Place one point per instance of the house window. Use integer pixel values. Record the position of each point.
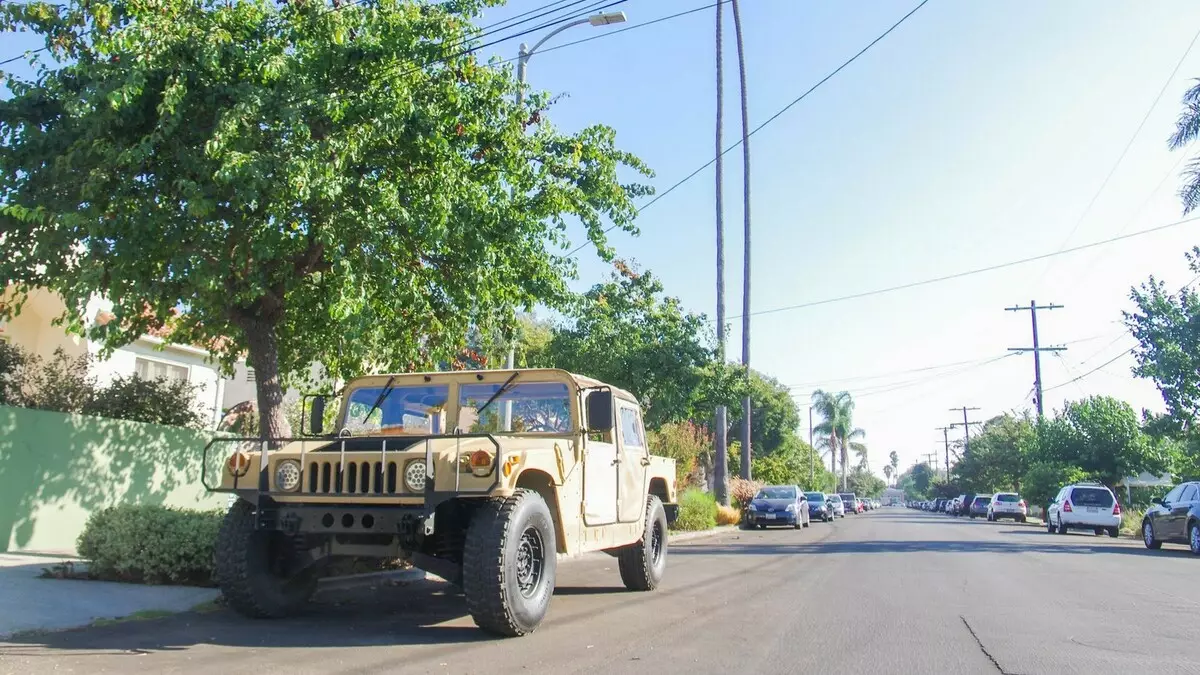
(153, 370)
(250, 375)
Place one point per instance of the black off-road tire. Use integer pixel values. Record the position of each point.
(644, 562)
(509, 562)
(1114, 532)
(243, 569)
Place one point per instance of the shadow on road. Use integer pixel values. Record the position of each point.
(395, 615)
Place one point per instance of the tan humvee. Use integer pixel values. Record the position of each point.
(480, 477)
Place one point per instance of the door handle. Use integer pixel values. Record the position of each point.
(645, 461)
(616, 462)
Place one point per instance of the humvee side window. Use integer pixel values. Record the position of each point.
(631, 429)
(527, 407)
(413, 410)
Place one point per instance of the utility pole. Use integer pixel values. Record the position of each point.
(812, 470)
(1036, 348)
(966, 429)
(747, 450)
(931, 456)
(946, 439)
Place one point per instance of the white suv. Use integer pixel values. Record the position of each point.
(1084, 506)
(1007, 505)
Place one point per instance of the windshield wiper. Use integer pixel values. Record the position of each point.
(387, 389)
(503, 388)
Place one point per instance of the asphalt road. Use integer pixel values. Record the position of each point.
(893, 591)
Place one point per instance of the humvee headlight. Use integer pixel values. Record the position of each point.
(287, 475)
(414, 475)
(481, 463)
(238, 464)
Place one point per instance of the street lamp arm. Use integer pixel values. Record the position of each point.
(556, 31)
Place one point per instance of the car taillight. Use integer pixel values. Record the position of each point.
(1021, 503)
(1067, 507)
(1116, 509)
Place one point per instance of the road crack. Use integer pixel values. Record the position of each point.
(983, 649)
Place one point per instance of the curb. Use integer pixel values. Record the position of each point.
(701, 534)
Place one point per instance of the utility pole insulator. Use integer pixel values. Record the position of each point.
(1036, 348)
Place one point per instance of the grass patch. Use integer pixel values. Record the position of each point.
(144, 615)
(728, 515)
(697, 511)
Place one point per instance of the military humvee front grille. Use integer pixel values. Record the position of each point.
(362, 478)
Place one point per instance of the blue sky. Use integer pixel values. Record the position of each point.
(975, 134)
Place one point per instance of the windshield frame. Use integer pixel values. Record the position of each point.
(454, 380)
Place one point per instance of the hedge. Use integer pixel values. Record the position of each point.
(151, 544)
(697, 511)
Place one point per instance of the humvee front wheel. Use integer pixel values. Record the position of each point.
(643, 562)
(254, 568)
(509, 562)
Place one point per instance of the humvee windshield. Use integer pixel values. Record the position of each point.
(525, 407)
(407, 409)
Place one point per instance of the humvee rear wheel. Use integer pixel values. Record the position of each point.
(643, 562)
(509, 563)
(255, 569)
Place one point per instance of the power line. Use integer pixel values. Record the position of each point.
(769, 120)
(1093, 370)
(941, 366)
(980, 270)
(1137, 132)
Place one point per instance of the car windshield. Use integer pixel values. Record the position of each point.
(524, 407)
(847, 497)
(983, 500)
(403, 409)
(814, 496)
(1085, 496)
(836, 499)
(1008, 497)
(776, 493)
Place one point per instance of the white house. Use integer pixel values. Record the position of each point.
(149, 356)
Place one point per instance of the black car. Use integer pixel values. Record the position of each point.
(778, 505)
(1174, 519)
(818, 507)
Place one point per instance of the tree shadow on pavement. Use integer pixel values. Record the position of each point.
(1060, 545)
(412, 613)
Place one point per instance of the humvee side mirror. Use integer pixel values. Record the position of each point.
(600, 411)
(316, 416)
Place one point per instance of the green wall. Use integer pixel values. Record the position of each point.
(56, 469)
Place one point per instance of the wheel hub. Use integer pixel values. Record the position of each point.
(530, 561)
(1148, 534)
(1195, 538)
(656, 543)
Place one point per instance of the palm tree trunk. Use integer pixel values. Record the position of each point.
(720, 439)
(737, 28)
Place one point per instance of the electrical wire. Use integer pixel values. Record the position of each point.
(769, 120)
(941, 366)
(1120, 158)
(967, 273)
(1090, 372)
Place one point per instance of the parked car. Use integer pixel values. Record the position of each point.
(979, 506)
(1084, 506)
(819, 508)
(866, 504)
(851, 501)
(838, 506)
(1174, 518)
(1007, 505)
(778, 505)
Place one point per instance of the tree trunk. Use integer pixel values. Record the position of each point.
(747, 449)
(264, 358)
(720, 439)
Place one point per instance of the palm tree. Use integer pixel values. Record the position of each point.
(888, 471)
(837, 411)
(860, 449)
(720, 437)
(895, 460)
(737, 29)
(1187, 129)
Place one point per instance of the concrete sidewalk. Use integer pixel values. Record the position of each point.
(28, 602)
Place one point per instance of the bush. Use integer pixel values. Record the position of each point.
(59, 385)
(151, 544)
(1131, 520)
(728, 515)
(686, 443)
(158, 401)
(697, 511)
(742, 491)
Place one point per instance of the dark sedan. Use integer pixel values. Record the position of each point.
(1175, 518)
(778, 505)
(819, 507)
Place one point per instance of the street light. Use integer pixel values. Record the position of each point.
(605, 19)
(525, 53)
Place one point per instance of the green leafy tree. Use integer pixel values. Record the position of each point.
(290, 181)
(627, 333)
(863, 483)
(999, 455)
(916, 481)
(1044, 479)
(774, 418)
(1101, 436)
(793, 463)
